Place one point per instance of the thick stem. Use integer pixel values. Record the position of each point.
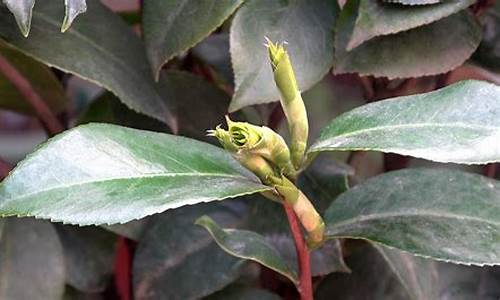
(26, 90)
(303, 257)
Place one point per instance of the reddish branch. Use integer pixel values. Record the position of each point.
(26, 90)
(305, 280)
(5, 168)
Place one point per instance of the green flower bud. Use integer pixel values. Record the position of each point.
(305, 211)
(262, 141)
(291, 101)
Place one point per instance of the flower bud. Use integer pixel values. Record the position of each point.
(291, 101)
(305, 211)
(262, 141)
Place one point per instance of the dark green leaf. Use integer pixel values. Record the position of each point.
(39, 76)
(414, 2)
(248, 245)
(426, 50)
(100, 47)
(97, 174)
(89, 254)
(214, 50)
(442, 214)
(31, 261)
(459, 123)
(376, 18)
(177, 259)
(307, 26)
(243, 293)
(172, 27)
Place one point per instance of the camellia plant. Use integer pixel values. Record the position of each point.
(295, 209)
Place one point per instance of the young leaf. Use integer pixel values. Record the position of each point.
(176, 259)
(30, 250)
(248, 245)
(101, 41)
(376, 18)
(442, 214)
(459, 123)
(293, 22)
(41, 78)
(172, 27)
(407, 53)
(22, 11)
(73, 9)
(106, 174)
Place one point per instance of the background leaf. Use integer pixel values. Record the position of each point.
(459, 123)
(31, 261)
(177, 259)
(414, 2)
(243, 293)
(89, 255)
(100, 47)
(307, 26)
(41, 78)
(376, 18)
(248, 245)
(442, 214)
(426, 50)
(122, 174)
(172, 27)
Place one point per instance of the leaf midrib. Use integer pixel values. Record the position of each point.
(145, 176)
(420, 213)
(399, 126)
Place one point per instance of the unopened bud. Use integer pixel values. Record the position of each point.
(291, 101)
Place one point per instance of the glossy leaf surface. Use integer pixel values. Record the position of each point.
(442, 214)
(31, 260)
(407, 53)
(172, 27)
(248, 245)
(376, 18)
(41, 78)
(108, 53)
(459, 123)
(293, 22)
(105, 174)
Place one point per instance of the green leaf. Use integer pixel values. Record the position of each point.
(442, 214)
(31, 261)
(376, 18)
(248, 245)
(414, 2)
(243, 293)
(172, 27)
(106, 174)
(459, 123)
(39, 76)
(73, 9)
(307, 26)
(487, 55)
(89, 254)
(100, 40)
(407, 53)
(176, 259)
(22, 11)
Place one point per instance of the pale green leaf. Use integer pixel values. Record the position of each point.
(459, 123)
(73, 9)
(248, 245)
(106, 174)
(172, 27)
(307, 26)
(22, 11)
(441, 214)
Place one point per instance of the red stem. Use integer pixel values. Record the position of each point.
(26, 90)
(5, 168)
(305, 278)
